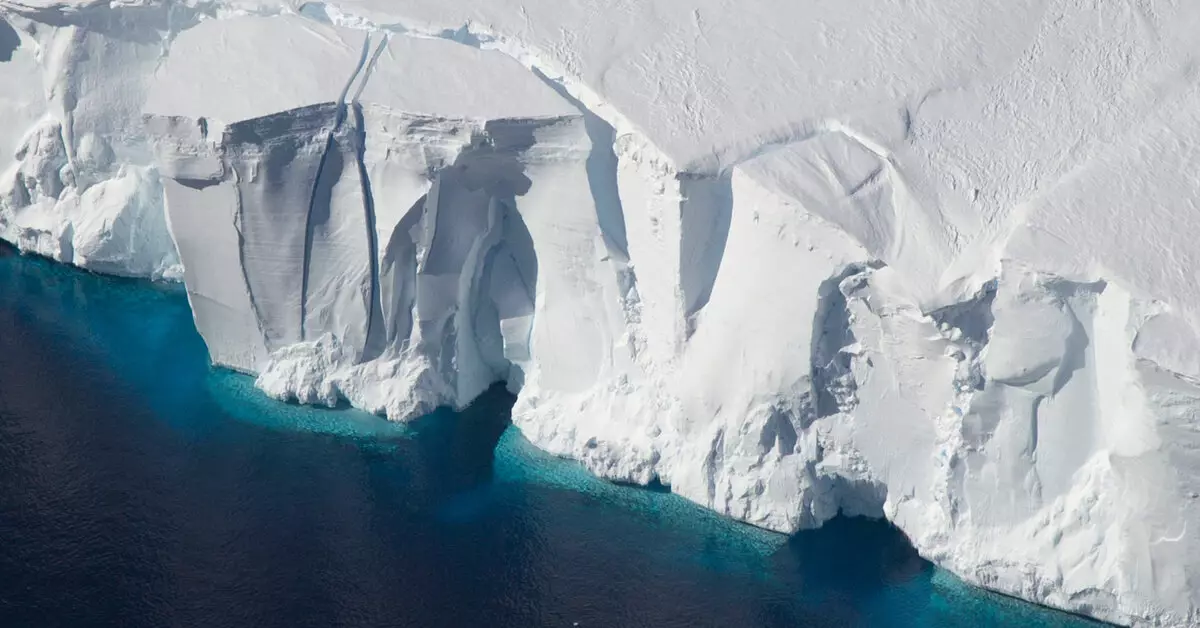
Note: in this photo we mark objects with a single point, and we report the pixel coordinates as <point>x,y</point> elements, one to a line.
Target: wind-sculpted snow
<point>926,261</point>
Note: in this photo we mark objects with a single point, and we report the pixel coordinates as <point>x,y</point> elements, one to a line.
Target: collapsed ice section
<point>945,278</point>
<point>346,243</point>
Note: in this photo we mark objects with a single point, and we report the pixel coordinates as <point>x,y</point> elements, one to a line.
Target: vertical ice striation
<point>946,280</point>
<point>392,257</point>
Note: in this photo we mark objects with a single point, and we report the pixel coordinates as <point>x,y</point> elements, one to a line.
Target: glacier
<point>926,261</point>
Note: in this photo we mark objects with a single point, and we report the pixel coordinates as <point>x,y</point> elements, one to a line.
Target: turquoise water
<point>140,487</point>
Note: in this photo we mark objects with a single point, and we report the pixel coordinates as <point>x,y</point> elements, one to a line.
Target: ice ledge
<point>848,314</point>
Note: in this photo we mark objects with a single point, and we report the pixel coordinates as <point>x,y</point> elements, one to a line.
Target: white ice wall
<point>920,261</point>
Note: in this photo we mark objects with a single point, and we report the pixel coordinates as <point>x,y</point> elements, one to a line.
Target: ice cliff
<point>923,260</point>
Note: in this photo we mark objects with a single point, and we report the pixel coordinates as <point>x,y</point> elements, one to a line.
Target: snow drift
<point>927,262</point>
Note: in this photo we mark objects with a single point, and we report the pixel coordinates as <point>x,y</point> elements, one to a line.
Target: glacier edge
<point>771,329</point>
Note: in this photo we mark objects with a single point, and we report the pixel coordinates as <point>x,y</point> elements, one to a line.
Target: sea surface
<point>140,487</point>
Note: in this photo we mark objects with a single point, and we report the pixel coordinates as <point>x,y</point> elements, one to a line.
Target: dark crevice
<point>320,191</point>
<point>277,162</point>
<point>362,61</point>
<point>244,275</point>
<point>972,317</point>
<point>366,73</point>
<point>374,304</point>
<point>831,333</point>
<point>778,433</point>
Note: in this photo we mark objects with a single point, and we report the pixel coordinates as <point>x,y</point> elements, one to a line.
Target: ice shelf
<point>928,261</point>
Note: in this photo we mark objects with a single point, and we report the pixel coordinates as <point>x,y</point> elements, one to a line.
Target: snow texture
<point>923,260</point>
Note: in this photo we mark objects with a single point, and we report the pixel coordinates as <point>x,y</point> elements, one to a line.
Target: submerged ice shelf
<point>932,265</point>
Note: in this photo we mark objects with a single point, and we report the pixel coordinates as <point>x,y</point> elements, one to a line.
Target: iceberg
<point>918,261</point>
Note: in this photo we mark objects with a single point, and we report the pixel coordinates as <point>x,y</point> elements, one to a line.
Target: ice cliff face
<point>929,262</point>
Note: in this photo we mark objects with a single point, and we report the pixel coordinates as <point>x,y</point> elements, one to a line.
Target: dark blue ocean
<point>139,487</point>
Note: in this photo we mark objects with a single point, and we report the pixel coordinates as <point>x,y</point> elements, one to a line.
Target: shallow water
<point>139,487</point>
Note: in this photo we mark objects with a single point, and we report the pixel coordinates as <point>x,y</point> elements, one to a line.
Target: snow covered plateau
<point>934,261</point>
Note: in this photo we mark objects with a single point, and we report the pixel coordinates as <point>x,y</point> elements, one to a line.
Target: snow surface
<point>923,260</point>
